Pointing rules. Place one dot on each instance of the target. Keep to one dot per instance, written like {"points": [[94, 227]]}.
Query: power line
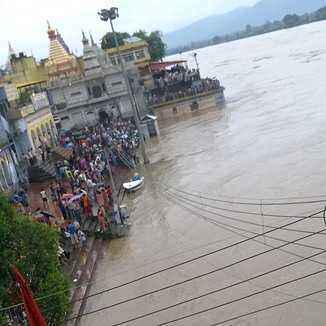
{"points": [[236, 202], [235, 211], [201, 275], [268, 307], [186, 200], [215, 291], [241, 298], [234, 227], [257, 235]]}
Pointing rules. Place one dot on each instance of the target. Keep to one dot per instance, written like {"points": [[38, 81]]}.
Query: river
{"points": [[264, 149]]}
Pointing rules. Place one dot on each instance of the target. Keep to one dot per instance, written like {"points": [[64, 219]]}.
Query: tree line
{"points": [[288, 21], [156, 47]]}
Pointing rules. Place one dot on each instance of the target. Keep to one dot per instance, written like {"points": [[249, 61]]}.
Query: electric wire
{"points": [[186, 200], [287, 242], [236, 202], [62, 291], [237, 211], [257, 235], [207, 273], [215, 291], [219, 223], [81, 286], [269, 307], [89, 283], [239, 299], [220, 305]]}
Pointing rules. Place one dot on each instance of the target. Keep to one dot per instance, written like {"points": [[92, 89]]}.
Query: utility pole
{"points": [[111, 14], [195, 56]]}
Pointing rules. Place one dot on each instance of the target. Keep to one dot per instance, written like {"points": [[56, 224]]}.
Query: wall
{"points": [[177, 109]]}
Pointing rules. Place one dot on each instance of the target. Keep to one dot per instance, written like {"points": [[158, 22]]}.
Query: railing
{"points": [[190, 93]]}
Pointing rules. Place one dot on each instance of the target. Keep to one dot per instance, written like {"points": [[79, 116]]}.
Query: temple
{"points": [[61, 64]]}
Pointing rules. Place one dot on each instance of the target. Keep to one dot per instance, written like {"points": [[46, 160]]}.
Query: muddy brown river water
{"points": [[217, 181]]}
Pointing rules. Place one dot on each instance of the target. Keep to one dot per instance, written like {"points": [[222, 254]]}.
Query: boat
{"points": [[133, 185]]}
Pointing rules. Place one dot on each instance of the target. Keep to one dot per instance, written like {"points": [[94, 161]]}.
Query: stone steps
{"points": [[80, 273], [42, 171], [61, 153], [91, 227]]}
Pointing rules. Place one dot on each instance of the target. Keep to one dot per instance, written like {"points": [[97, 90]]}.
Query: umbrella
{"points": [[46, 213], [67, 196], [33, 313], [74, 198], [70, 145], [15, 197], [40, 218]]}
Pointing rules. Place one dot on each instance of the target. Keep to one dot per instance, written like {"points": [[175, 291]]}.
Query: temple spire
{"points": [[62, 42], [91, 37], [11, 54], [61, 63]]}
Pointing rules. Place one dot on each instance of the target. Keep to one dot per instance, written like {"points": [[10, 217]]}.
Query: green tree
{"points": [[156, 47], [248, 30], [291, 20], [25, 98], [32, 248], [321, 13], [108, 42]]}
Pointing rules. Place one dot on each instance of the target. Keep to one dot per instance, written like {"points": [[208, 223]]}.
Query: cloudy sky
{"points": [[24, 23]]}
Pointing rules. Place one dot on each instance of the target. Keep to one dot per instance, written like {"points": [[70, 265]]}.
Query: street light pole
{"points": [[110, 14], [195, 56]]}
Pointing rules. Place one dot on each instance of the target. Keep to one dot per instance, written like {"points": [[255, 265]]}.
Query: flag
{"points": [[33, 313]]}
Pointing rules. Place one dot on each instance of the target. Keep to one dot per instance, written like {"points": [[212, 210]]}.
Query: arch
{"points": [[104, 117], [33, 137], [97, 91], [65, 122], [47, 126], [91, 117], [38, 137]]}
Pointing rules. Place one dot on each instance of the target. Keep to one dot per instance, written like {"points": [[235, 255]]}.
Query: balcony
{"points": [[14, 114]]}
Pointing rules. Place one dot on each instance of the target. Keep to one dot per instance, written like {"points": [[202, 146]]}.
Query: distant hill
{"points": [[236, 20]]}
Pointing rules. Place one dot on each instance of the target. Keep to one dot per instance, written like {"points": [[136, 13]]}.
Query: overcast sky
{"points": [[24, 23]]}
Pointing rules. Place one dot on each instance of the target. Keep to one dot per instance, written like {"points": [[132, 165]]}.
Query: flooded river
{"points": [[218, 179]]}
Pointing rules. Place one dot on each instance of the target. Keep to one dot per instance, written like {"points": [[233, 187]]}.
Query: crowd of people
{"points": [[81, 189], [179, 82], [176, 75]]}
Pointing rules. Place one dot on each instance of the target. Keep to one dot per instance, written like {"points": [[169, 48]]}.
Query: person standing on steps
{"points": [[62, 209], [44, 198], [71, 228]]}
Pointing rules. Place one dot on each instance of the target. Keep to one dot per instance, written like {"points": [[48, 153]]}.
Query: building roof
{"points": [[30, 83], [159, 65], [132, 39]]}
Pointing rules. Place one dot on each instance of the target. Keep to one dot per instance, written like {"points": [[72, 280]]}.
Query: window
{"points": [[116, 84], [140, 54], [103, 87], [97, 91], [75, 94], [61, 106], [128, 57], [89, 91], [113, 60]]}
